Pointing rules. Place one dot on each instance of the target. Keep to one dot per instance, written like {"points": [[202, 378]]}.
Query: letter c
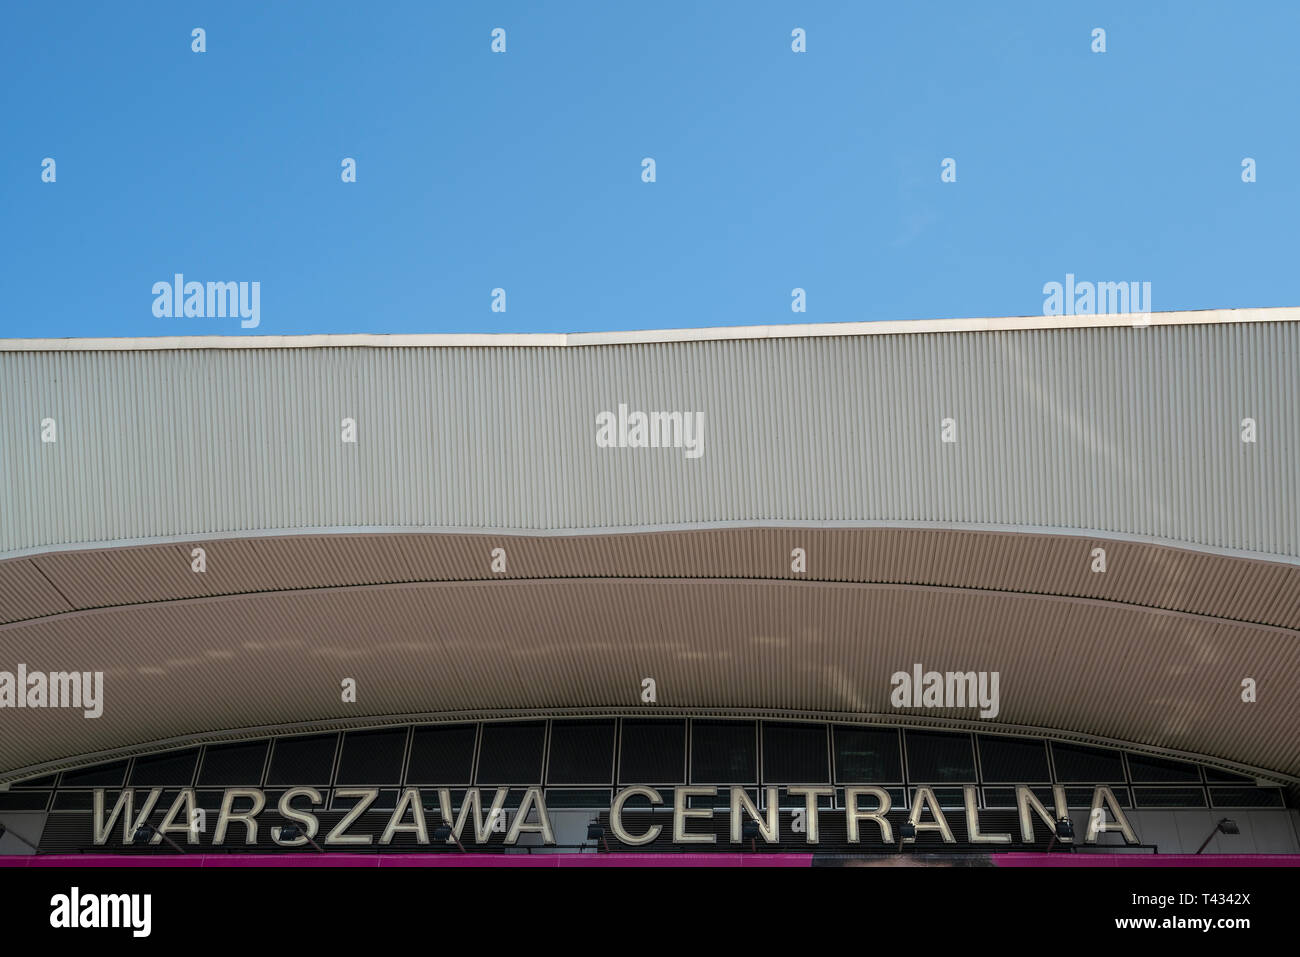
{"points": [[616, 815]]}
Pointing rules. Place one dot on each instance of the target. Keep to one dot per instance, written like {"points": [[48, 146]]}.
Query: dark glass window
{"points": [[582, 752], [210, 801], [1169, 797], [723, 752], [302, 761], [797, 802], [244, 803], [1074, 762], [720, 801], [867, 755], [514, 798], [867, 802], [1142, 768], [100, 776], [1006, 797], [85, 800], [795, 754], [25, 800], [949, 799], [386, 801], [432, 801], [442, 754], [372, 757], [233, 764], [1246, 797], [652, 751], [1226, 777], [43, 783], [595, 798], [174, 767], [1082, 797], [934, 756], [511, 753], [1013, 761], [639, 802]]}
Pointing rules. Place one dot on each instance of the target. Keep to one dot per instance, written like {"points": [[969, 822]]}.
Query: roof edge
{"points": [[506, 531], [725, 333]]}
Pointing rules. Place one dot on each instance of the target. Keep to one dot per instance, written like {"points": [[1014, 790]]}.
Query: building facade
{"points": [[935, 561]]}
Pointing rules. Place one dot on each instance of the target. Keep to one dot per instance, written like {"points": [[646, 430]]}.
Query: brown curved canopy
{"points": [[1150, 654]]}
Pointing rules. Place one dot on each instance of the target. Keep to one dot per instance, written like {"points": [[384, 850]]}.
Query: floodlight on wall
{"points": [[291, 832], [149, 831], [906, 831], [597, 833], [1062, 830], [1225, 826], [443, 833], [749, 829]]}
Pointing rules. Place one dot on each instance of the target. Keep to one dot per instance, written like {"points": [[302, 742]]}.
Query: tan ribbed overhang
{"points": [[1150, 654]]}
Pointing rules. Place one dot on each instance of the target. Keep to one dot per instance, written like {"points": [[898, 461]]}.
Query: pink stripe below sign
{"points": [[409, 860], [1146, 860], [633, 860]]}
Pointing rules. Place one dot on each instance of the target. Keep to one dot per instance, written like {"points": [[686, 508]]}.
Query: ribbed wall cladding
{"points": [[175, 669], [1117, 429], [1154, 576]]}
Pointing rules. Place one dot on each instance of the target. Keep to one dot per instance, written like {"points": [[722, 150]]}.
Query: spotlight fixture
{"points": [[1063, 830], [443, 833], [597, 833], [905, 832], [291, 832], [1225, 826], [749, 829], [149, 831]]}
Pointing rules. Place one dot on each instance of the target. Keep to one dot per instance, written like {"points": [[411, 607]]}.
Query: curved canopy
{"points": [[1153, 657]]}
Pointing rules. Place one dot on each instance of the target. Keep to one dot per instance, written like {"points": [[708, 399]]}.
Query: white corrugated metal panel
{"points": [[1116, 429], [1154, 678]]}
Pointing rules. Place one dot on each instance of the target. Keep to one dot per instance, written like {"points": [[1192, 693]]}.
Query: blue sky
{"points": [[522, 170]]}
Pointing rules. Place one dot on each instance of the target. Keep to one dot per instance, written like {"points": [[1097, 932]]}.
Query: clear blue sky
{"points": [[523, 171]]}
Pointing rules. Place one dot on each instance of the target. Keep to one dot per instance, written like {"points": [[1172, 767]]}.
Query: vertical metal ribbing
{"points": [[1127, 430]]}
